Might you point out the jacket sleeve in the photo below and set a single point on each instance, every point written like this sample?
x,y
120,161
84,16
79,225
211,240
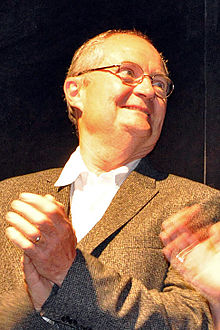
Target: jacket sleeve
x,y
95,297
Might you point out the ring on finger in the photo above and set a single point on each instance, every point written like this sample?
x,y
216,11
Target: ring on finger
x,y
182,254
37,239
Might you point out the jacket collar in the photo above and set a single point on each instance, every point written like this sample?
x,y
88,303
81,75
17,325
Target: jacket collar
x,y
136,192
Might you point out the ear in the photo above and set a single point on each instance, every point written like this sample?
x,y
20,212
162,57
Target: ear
x,y
71,91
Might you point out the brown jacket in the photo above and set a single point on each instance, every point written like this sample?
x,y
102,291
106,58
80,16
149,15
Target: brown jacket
x,y
120,279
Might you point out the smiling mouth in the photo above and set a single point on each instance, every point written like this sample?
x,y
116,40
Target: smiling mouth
x,y
133,107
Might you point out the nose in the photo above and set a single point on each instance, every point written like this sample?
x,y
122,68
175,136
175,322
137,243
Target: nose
x,y
145,88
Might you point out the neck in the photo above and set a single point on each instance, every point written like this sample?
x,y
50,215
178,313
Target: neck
x,y
100,157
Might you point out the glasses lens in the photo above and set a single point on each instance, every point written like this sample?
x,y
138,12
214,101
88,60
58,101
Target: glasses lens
x,y
132,74
129,72
162,85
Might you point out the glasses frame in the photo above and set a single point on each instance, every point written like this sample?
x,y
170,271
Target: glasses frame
x,y
136,82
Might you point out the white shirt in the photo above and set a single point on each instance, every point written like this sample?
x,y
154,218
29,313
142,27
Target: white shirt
x,y
90,195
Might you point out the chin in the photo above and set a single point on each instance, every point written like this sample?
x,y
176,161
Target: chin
x,y
139,125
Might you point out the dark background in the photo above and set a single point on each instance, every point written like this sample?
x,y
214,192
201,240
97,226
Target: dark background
x,y
37,41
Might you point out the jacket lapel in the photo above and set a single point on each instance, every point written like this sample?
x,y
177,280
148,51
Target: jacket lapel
x,y
136,191
63,195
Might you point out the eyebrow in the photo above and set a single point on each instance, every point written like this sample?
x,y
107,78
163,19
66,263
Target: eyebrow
x,y
159,73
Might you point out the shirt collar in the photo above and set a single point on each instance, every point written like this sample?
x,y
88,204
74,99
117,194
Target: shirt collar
x,y
73,168
76,166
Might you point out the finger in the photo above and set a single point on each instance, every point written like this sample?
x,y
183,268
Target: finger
x,y
202,233
38,287
25,260
180,243
165,238
47,206
182,217
44,204
50,197
40,220
179,222
31,275
27,211
171,234
19,239
22,225
214,236
26,264
215,231
53,199
172,220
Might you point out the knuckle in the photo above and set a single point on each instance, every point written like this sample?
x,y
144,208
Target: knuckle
x,y
42,219
28,248
52,209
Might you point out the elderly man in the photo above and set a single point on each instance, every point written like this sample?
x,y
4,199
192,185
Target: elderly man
x,y
113,204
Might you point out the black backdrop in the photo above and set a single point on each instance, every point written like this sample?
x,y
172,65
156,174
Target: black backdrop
x,y
37,41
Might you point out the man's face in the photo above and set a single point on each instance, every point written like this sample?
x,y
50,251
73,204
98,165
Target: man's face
x,y
118,113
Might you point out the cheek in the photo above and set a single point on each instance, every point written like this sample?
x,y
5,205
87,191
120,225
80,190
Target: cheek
x,y
122,95
99,113
160,110
103,99
158,119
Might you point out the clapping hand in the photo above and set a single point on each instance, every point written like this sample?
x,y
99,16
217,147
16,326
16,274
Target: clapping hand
x,y
194,250
41,229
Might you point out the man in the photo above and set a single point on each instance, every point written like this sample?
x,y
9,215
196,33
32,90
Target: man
x,y
116,277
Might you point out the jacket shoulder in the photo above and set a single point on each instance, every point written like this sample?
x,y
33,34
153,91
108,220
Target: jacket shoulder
x,y
38,183
186,189
30,181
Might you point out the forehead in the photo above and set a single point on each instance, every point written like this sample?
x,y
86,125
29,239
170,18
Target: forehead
x,y
124,47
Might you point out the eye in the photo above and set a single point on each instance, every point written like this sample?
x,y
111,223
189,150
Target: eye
x,y
160,81
126,72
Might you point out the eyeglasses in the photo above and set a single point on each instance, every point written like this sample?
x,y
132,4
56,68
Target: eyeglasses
x,y
132,74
